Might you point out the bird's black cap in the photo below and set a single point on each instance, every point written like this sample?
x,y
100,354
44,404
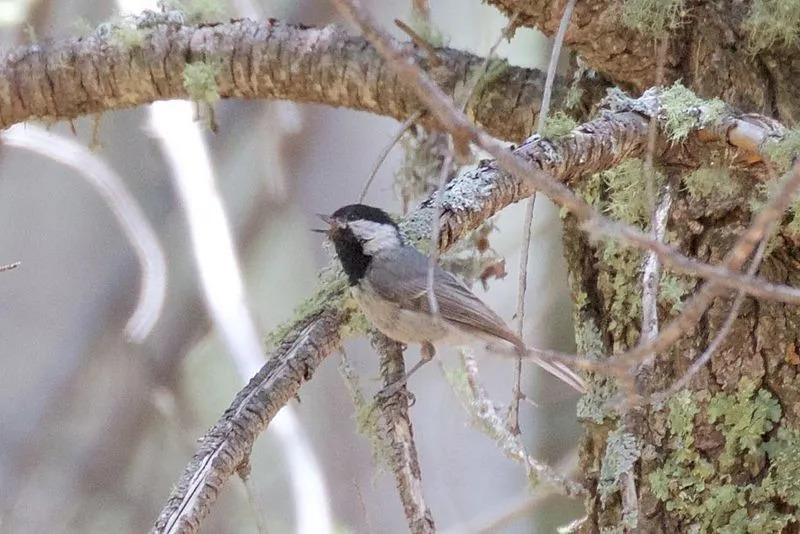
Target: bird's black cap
x,y
354,212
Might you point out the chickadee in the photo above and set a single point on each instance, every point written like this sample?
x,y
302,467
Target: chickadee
x,y
389,280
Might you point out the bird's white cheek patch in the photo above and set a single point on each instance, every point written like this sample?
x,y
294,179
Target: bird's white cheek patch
x,y
375,236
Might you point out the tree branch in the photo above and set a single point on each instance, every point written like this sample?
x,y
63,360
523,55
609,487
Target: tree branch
x,y
253,60
398,436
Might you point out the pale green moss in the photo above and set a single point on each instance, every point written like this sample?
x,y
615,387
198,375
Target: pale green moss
x,y
593,405
199,80
620,284
781,151
127,36
653,17
423,27
627,198
685,112
591,189
558,124
495,68
332,293
708,183
367,416
773,23
197,11
783,479
672,289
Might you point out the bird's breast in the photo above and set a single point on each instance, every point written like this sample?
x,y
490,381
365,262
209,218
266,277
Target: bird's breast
x,y
402,325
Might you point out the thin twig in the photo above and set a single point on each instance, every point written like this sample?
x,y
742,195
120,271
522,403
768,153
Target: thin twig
x,y
433,57
524,255
694,309
385,152
436,225
9,266
733,314
482,409
651,274
472,84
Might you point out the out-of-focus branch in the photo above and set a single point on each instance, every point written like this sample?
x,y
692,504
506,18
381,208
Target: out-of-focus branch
x,y
252,60
111,188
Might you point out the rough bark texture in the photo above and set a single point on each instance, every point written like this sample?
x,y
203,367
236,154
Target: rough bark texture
x,y
710,50
66,79
724,454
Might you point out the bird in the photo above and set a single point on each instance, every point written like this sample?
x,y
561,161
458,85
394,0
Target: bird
x,y
388,279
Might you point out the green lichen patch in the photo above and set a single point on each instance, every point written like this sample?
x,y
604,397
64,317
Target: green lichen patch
x,y
622,452
593,406
773,23
627,198
711,183
558,124
200,81
782,151
673,289
743,418
196,11
653,17
332,293
127,35
725,493
684,112
620,283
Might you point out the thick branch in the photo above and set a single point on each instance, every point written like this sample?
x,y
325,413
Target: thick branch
x,y
81,76
710,50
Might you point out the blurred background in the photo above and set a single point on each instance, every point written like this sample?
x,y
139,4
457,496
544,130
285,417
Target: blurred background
x,y
96,426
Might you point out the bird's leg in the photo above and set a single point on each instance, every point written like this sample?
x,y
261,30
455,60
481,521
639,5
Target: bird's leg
x,y
427,352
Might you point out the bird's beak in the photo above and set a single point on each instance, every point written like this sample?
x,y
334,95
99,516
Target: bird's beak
x,y
332,223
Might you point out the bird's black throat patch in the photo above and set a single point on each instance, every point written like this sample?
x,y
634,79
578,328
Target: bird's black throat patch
x,y
354,262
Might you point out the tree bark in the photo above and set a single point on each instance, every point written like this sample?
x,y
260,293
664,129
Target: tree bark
x,y
715,48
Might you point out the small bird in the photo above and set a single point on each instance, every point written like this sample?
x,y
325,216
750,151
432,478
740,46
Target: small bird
x,y
389,281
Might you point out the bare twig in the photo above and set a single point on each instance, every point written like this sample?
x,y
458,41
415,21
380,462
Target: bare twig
x,y
472,84
419,41
469,200
482,409
693,310
9,266
524,255
724,330
435,228
651,274
385,152
535,178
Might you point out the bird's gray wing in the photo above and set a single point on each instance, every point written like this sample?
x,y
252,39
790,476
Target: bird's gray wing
x,y
401,275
